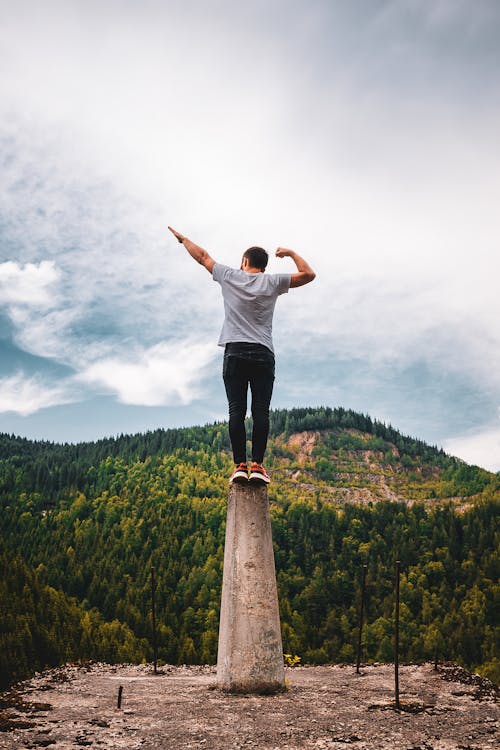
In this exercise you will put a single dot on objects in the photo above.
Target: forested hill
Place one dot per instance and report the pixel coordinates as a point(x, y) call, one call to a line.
point(81, 526)
point(282, 422)
point(339, 450)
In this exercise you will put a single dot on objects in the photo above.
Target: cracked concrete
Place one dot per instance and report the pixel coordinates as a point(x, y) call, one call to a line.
point(326, 707)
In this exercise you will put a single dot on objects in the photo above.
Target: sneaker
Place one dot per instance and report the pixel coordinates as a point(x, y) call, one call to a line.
point(239, 475)
point(258, 474)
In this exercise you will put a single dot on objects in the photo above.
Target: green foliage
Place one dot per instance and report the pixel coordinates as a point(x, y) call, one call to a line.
point(42, 627)
point(491, 670)
point(291, 660)
point(90, 520)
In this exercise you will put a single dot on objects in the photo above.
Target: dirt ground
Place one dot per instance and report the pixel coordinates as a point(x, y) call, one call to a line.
point(327, 707)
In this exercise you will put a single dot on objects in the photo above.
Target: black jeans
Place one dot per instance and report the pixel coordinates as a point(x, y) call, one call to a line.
point(248, 364)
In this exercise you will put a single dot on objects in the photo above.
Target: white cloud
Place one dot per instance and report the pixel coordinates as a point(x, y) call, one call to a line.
point(480, 448)
point(376, 165)
point(170, 373)
point(392, 323)
point(31, 284)
point(27, 395)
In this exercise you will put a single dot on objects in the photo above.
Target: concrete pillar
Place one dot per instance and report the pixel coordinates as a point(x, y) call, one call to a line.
point(250, 655)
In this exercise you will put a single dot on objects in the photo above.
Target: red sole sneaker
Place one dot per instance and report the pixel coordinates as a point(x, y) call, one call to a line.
point(239, 475)
point(259, 477)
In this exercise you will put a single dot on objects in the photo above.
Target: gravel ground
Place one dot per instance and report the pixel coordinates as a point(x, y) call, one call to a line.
point(327, 707)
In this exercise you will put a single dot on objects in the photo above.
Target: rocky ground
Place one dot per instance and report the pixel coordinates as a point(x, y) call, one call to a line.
point(324, 707)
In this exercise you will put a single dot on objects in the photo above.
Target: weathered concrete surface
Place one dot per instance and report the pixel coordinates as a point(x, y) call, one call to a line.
point(324, 708)
point(250, 655)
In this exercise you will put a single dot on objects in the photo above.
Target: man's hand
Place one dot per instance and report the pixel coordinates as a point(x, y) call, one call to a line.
point(283, 252)
point(178, 235)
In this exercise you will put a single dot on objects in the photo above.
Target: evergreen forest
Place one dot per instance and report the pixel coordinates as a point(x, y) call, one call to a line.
point(82, 525)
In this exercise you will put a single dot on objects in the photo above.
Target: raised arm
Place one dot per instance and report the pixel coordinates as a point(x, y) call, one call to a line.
point(195, 251)
point(304, 274)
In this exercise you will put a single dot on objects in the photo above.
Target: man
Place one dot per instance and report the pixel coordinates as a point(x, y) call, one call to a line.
point(249, 299)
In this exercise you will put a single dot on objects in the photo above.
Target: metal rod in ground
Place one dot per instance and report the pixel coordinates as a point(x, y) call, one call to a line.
point(361, 611)
point(396, 640)
point(436, 659)
point(120, 693)
point(153, 613)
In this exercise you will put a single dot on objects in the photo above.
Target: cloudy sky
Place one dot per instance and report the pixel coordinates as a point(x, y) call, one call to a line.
point(363, 134)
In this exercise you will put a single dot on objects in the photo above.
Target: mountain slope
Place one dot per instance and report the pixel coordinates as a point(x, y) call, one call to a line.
point(42, 627)
point(346, 491)
point(338, 449)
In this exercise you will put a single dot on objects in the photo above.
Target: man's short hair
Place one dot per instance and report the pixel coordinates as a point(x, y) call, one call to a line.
point(257, 257)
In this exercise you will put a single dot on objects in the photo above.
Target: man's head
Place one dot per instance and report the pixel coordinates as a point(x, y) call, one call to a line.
point(255, 257)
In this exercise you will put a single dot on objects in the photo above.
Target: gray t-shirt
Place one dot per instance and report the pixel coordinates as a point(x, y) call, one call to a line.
point(249, 300)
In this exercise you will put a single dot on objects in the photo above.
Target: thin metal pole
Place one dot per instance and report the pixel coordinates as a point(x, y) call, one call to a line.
point(120, 693)
point(153, 612)
point(361, 611)
point(396, 640)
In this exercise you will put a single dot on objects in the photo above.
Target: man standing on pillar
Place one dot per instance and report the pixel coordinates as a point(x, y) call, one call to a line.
point(249, 299)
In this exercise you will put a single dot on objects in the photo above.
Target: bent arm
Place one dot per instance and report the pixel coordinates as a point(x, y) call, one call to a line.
point(304, 274)
point(195, 251)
